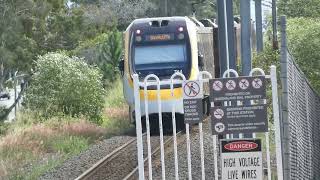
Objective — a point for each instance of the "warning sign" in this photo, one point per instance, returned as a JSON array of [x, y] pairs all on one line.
[[191, 90], [238, 89], [192, 102], [217, 85], [241, 159], [239, 119]]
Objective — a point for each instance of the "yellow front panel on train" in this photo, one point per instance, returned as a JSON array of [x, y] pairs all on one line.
[[165, 94]]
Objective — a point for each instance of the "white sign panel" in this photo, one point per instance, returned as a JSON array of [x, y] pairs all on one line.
[[241, 160], [192, 102], [192, 90]]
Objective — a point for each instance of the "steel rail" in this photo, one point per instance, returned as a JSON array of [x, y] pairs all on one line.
[[134, 172], [102, 162]]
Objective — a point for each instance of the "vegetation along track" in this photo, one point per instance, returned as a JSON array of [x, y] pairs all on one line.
[[122, 162]]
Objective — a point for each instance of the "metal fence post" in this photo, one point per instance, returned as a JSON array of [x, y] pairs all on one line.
[[284, 99], [15, 94], [138, 126], [276, 117]]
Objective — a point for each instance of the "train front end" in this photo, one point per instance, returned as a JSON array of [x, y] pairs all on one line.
[[160, 46]]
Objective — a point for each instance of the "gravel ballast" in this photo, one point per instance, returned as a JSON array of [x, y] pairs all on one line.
[[75, 166]]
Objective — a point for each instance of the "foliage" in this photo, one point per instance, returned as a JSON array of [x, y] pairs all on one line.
[[110, 12], [203, 8], [68, 85], [115, 98], [266, 58], [105, 51], [303, 40], [299, 8], [17, 48], [69, 144], [109, 55], [42, 146]]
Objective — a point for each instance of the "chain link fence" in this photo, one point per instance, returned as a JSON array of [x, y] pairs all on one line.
[[300, 119]]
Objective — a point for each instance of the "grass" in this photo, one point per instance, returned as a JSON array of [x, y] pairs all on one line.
[[115, 97], [29, 145], [116, 113], [32, 146]]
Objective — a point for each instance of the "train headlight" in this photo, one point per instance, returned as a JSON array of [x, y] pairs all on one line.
[[180, 29], [180, 36], [138, 31], [138, 38]]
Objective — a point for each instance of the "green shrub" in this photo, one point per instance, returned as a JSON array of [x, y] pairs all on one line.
[[66, 85], [266, 58]]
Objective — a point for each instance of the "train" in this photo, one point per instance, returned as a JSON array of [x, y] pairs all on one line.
[[163, 46]]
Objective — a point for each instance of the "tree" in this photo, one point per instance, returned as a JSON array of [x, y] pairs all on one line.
[[17, 48], [304, 35], [105, 52], [109, 55], [204, 9], [299, 8], [303, 41], [66, 85]]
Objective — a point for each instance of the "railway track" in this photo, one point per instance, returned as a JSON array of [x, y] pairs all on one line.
[[103, 162], [122, 162]]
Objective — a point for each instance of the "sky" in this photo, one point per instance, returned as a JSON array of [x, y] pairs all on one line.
[[265, 10]]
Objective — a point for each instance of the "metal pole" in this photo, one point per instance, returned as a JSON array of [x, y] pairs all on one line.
[[284, 100], [274, 24], [245, 42], [221, 37], [231, 34], [276, 117], [226, 29], [138, 126], [226, 34], [166, 7], [245, 37], [15, 94], [258, 9]]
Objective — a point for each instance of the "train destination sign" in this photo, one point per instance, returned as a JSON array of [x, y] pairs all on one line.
[[241, 159], [192, 102], [160, 37], [239, 119], [237, 89]]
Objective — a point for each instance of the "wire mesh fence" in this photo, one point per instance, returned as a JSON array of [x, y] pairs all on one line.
[[300, 119]]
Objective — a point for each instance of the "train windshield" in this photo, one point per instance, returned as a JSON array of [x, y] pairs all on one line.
[[160, 57], [146, 55]]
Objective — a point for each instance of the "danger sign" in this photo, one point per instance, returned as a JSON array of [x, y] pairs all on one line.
[[241, 159]]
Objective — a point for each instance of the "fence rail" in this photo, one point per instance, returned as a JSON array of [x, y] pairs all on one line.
[[300, 119]]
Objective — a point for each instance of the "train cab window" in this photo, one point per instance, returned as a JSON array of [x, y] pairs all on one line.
[[160, 55], [161, 59]]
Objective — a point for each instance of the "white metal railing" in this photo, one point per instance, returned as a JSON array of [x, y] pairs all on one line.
[[153, 80]]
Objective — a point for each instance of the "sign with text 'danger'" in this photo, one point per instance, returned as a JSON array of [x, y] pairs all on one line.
[[239, 119], [237, 89], [192, 102], [241, 159]]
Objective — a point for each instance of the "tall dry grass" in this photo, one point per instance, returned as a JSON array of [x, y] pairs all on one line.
[[23, 145], [31, 137]]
